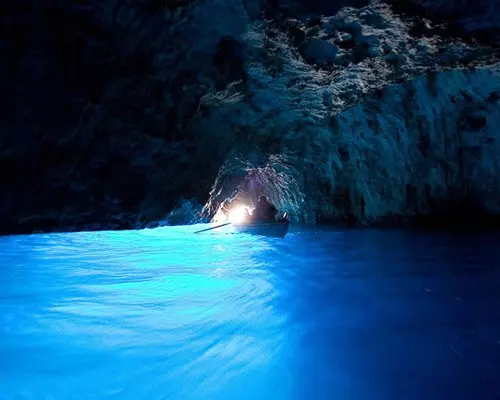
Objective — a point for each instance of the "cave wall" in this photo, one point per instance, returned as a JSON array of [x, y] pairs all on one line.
[[424, 147], [116, 112], [98, 104], [428, 146], [323, 100]]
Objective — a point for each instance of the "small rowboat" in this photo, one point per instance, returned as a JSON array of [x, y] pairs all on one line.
[[271, 229]]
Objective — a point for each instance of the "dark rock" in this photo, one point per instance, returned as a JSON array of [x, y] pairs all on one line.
[[297, 34], [316, 21], [373, 18], [394, 58], [470, 19], [361, 52], [187, 212], [346, 41], [319, 51], [493, 97], [93, 227], [230, 58], [475, 122], [301, 8], [173, 4]]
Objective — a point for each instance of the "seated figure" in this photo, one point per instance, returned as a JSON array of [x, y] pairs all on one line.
[[264, 211]]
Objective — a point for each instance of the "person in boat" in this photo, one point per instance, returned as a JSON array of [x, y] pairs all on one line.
[[264, 211]]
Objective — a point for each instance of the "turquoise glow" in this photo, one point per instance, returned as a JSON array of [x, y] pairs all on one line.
[[166, 314]]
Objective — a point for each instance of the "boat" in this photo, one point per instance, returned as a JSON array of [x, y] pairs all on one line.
[[270, 229]]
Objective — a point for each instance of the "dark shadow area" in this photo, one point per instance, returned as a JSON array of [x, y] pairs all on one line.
[[88, 136], [307, 9], [452, 19]]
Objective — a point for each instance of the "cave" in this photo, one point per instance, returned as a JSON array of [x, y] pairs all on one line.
[[119, 115]]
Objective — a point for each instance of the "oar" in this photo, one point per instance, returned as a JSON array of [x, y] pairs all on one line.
[[213, 227]]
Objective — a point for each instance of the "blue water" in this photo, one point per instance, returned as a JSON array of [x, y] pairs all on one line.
[[165, 314]]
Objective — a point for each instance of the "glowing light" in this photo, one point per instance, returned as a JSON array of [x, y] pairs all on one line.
[[238, 214], [220, 217]]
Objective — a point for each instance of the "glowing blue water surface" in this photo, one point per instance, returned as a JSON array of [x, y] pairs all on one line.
[[166, 314]]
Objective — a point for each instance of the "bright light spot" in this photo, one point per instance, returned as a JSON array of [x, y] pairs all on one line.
[[238, 215], [220, 217]]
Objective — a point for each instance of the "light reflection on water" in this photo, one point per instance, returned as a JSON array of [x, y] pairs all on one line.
[[164, 314]]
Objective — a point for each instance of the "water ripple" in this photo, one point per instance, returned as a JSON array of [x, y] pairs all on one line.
[[166, 314]]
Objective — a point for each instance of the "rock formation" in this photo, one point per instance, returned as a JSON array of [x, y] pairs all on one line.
[[117, 113]]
